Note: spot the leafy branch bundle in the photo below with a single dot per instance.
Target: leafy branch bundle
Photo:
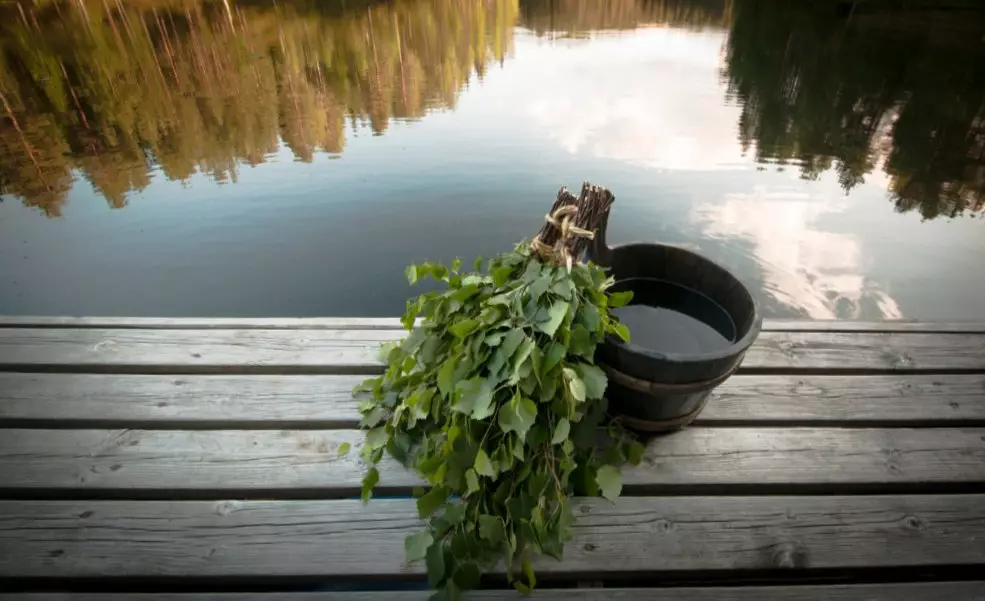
(495, 400)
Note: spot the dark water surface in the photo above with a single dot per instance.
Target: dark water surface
(253, 158)
(670, 318)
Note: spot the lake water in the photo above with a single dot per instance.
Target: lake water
(260, 158)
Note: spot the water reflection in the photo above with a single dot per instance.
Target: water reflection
(766, 135)
(580, 17)
(820, 274)
(116, 90)
(855, 92)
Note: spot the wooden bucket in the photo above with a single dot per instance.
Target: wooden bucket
(653, 391)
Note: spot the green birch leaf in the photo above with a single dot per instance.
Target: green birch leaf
(410, 314)
(609, 480)
(474, 397)
(620, 330)
(416, 545)
(517, 416)
(520, 357)
(446, 379)
(561, 431)
(635, 452)
(463, 328)
(590, 317)
(527, 414)
(555, 317)
(472, 481)
(372, 417)
(501, 275)
(555, 352)
(620, 299)
(538, 287)
(483, 466)
(594, 378)
(370, 480)
(491, 528)
(344, 449)
(494, 340)
(575, 386)
(411, 273)
(581, 342)
(431, 501)
(377, 438)
(435, 562)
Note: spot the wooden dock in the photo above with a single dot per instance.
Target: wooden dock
(183, 457)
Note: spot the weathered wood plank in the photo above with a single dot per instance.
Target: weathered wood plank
(330, 351)
(814, 325)
(354, 351)
(325, 401)
(844, 400)
(175, 464)
(347, 539)
(204, 323)
(393, 323)
(916, 591)
(196, 401)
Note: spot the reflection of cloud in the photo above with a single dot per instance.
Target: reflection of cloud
(819, 273)
(655, 98)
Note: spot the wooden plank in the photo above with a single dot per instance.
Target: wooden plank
(846, 400)
(354, 351)
(814, 325)
(327, 351)
(195, 401)
(175, 464)
(914, 591)
(866, 351)
(393, 323)
(346, 539)
(325, 401)
(203, 323)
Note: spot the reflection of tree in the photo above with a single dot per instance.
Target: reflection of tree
(826, 91)
(116, 89)
(573, 16)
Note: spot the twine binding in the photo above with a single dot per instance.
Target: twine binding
(563, 219)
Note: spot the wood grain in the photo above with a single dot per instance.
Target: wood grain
(866, 351)
(196, 401)
(346, 539)
(325, 401)
(916, 591)
(174, 464)
(354, 351)
(204, 323)
(393, 323)
(327, 351)
(830, 325)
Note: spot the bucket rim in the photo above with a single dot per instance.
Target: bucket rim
(735, 349)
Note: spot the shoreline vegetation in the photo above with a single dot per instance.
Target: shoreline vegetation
(113, 91)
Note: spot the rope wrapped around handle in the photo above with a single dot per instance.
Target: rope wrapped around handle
(572, 223)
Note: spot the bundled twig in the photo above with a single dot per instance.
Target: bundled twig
(572, 224)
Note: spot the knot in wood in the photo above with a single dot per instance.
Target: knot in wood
(912, 522)
(788, 555)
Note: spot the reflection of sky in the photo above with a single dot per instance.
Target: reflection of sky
(650, 98)
(655, 99)
(643, 113)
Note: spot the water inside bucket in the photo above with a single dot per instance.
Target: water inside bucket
(670, 318)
